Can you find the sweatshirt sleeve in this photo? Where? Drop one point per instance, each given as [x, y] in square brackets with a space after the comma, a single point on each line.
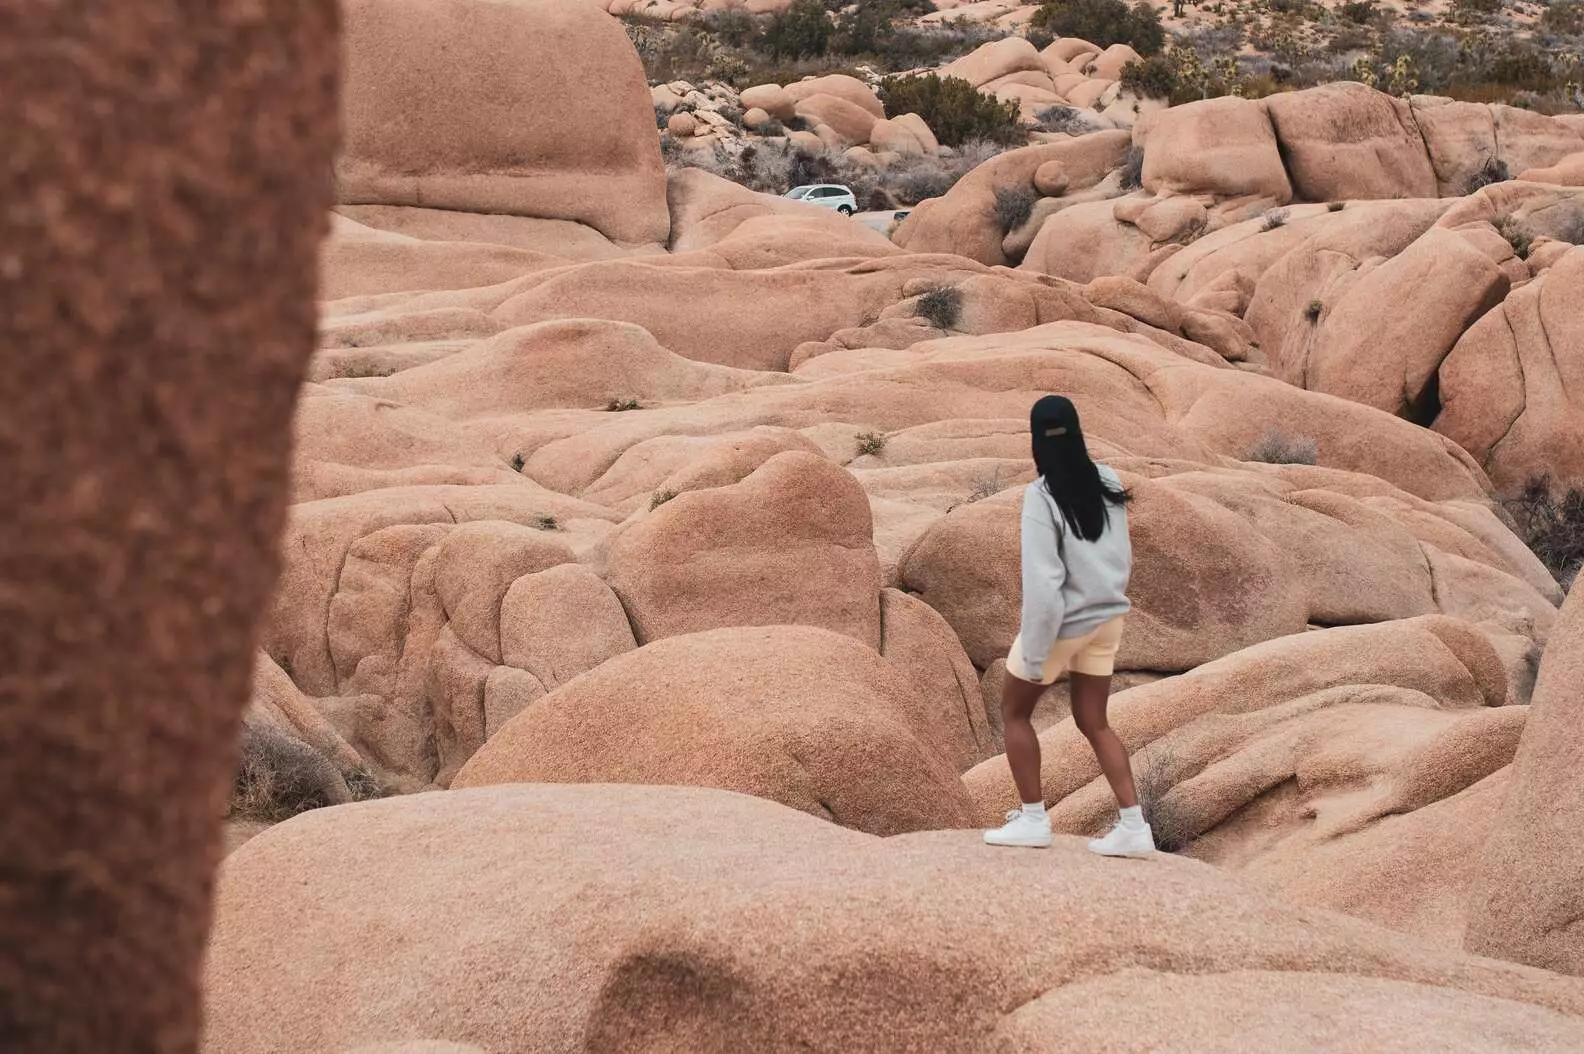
[1043, 575]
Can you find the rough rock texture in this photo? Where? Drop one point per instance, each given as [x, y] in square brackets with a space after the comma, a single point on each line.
[1527, 902]
[1346, 767]
[165, 194]
[963, 221]
[1344, 141]
[789, 544]
[802, 716]
[1222, 146]
[1508, 388]
[656, 916]
[448, 105]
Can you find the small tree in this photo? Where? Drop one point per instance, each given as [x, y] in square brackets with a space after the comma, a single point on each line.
[1104, 22]
[801, 31]
[955, 110]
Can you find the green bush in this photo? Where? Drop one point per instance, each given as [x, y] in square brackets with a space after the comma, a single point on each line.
[1154, 78]
[802, 30]
[1103, 22]
[1359, 12]
[955, 110]
[1179, 76]
[1470, 11]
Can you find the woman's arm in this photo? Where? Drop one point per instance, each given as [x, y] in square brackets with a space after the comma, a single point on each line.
[1043, 575]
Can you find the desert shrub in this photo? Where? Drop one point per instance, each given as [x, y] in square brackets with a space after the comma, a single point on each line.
[1066, 119]
[1103, 22]
[517, 462]
[955, 110]
[1494, 170]
[726, 67]
[1179, 75]
[986, 487]
[1467, 12]
[1133, 168]
[1336, 206]
[1274, 219]
[547, 523]
[1565, 19]
[870, 443]
[1170, 824]
[1277, 447]
[280, 776]
[940, 307]
[1359, 12]
[931, 179]
[733, 27]
[1154, 78]
[1314, 310]
[1518, 235]
[620, 405]
[1014, 206]
[802, 30]
[1552, 527]
[659, 498]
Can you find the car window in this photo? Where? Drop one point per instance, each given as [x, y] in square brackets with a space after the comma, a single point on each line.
[798, 192]
[820, 192]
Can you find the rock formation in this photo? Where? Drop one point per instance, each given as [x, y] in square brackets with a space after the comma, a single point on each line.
[165, 178]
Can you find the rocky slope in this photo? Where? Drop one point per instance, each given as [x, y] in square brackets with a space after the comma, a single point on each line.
[609, 476]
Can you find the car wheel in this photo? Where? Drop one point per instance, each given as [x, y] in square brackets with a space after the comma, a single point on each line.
[845, 210]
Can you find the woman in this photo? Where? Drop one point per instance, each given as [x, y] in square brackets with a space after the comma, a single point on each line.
[1076, 562]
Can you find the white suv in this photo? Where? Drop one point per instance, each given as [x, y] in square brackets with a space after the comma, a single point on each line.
[826, 195]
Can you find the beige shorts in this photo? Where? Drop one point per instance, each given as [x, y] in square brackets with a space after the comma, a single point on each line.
[1094, 653]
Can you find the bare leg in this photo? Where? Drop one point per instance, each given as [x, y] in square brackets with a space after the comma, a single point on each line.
[1089, 696]
[1022, 745]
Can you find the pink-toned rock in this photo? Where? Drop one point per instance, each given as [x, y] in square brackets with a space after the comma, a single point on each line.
[423, 897]
[1223, 146]
[536, 635]
[995, 60]
[1108, 64]
[1568, 172]
[1527, 902]
[424, 126]
[772, 99]
[584, 362]
[946, 711]
[848, 120]
[1507, 389]
[1383, 341]
[682, 125]
[1345, 141]
[809, 718]
[907, 135]
[789, 544]
[963, 221]
[850, 89]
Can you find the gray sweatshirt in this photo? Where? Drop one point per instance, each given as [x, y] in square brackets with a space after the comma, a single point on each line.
[1070, 586]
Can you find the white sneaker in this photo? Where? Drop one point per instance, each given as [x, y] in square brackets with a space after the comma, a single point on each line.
[1125, 841]
[1021, 830]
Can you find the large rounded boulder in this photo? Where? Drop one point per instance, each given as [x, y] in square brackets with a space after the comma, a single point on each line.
[566, 919]
[809, 718]
[464, 104]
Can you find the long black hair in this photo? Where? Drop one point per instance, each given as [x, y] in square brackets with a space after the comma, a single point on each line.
[1072, 479]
